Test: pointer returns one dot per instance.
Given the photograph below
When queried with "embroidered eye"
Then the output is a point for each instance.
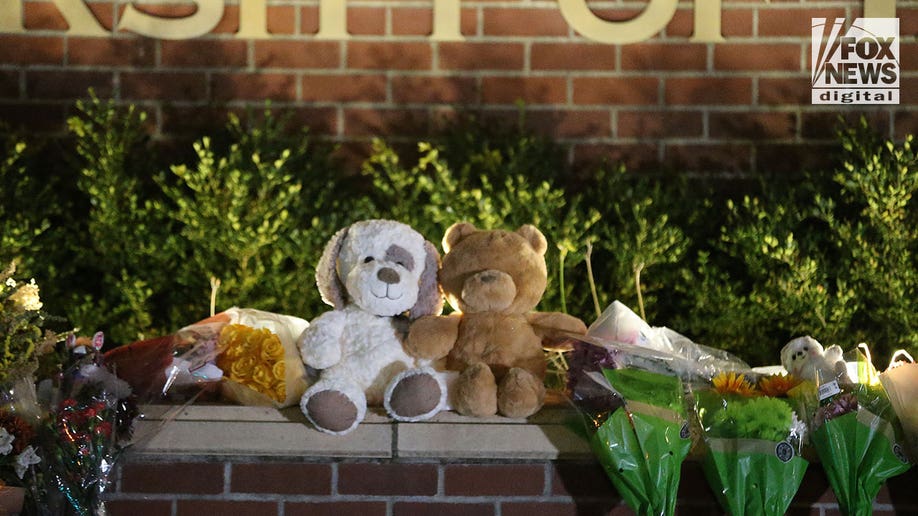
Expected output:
(368, 259)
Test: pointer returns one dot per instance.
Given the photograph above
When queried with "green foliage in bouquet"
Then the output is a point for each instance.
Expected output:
(21, 322)
(754, 418)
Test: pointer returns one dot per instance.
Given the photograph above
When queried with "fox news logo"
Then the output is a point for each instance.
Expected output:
(859, 65)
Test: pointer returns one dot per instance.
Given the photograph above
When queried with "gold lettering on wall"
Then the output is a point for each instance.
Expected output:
(707, 22)
(332, 20)
(447, 21)
(11, 16)
(643, 26)
(201, 22)
(253, 19)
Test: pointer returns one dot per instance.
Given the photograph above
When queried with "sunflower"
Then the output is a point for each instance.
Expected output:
(777, 385)
(732, 382)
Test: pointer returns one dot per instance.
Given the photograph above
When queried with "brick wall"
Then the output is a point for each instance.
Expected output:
(739, 105)
(289, 487)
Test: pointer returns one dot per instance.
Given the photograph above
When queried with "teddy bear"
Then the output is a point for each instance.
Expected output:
(493, 279)
(378, 275)
(805, 358)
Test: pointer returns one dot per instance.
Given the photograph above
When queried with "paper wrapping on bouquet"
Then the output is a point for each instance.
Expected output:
(751, 451)
(857, 436)
(642, 445)
(901, 383)
(252, 352)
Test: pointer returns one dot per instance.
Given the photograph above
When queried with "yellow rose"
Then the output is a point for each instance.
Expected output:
(262, 375)
(272, 349)
(243, 368)
(279, 370)
(280, 391)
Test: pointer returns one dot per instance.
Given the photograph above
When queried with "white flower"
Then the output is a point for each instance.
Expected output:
(10, 282)
(6, 441)
(27, 297)
(27, 458)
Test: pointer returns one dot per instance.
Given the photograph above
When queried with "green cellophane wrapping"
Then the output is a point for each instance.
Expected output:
(748, 477)
(742, 463)
(642, 445)
(858, 454)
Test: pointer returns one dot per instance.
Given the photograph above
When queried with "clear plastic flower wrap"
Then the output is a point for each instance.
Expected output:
(252, 354)
(855, 433)
(752, 439)
(901, 383)
(627, 379)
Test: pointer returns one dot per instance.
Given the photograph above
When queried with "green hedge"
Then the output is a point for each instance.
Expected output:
(123, 240)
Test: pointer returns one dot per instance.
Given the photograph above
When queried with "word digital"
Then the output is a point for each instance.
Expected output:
(859, 65)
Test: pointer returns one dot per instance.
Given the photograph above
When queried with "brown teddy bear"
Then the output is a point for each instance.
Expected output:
(493, 279)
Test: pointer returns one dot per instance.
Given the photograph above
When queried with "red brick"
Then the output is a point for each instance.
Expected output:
(784, 91)
(908, 91)
(31, 50)
(824, 125)
(634, 156)
(104, 13)
(733, 23)
(334, 508)
(531, 90)
(187, 477)
(481, 56)
(708, 158)
(139, 508)
(163, 86)
(774, 125)
(906, 123)
(297, 54)
(793, 22)
(229, 23)
(135, 52)
(659, 124)
(167, 10)
(309, 20)
(570, 124)
(571, 508)
(387, 479)
(664, 56)
(581, 480)
(194, 120)
(708, 90)
(43, 16)
(204, 53)
(281, 478)
(9, 84)
(494, 479)
(418, 21)
(524, 22)
(319, 120)
(573, 56)
(434, 90)
(389, 55)
(908, 56)
(441, 509)
(198, 507)
(344, 88)
(67, 84)
(757, 57)
(616, 90)
(790, 159)
(364, 21)
(253, 86)
(281, 19)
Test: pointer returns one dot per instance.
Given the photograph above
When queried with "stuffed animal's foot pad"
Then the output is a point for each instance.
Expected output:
(476, 391)
(520, 394)
(415, 396)
(331, 411)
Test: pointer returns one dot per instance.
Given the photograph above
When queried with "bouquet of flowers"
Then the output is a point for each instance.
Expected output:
(856, 434)
(89, 418)
(252, 353)
(627, 380)
(901, 383)
(752, 438)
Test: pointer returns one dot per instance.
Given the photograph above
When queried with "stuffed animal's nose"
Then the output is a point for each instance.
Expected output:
(388, 275)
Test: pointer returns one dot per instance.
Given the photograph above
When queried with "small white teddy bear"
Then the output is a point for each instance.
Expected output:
(805, 358)
(378, 275)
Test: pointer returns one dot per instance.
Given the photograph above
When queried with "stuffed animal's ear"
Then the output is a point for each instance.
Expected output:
(455, 233)
(330, 285)
(535, 238)
(430, 302)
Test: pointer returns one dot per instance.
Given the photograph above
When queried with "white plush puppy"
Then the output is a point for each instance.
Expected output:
(378, 275)
(805, 358)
